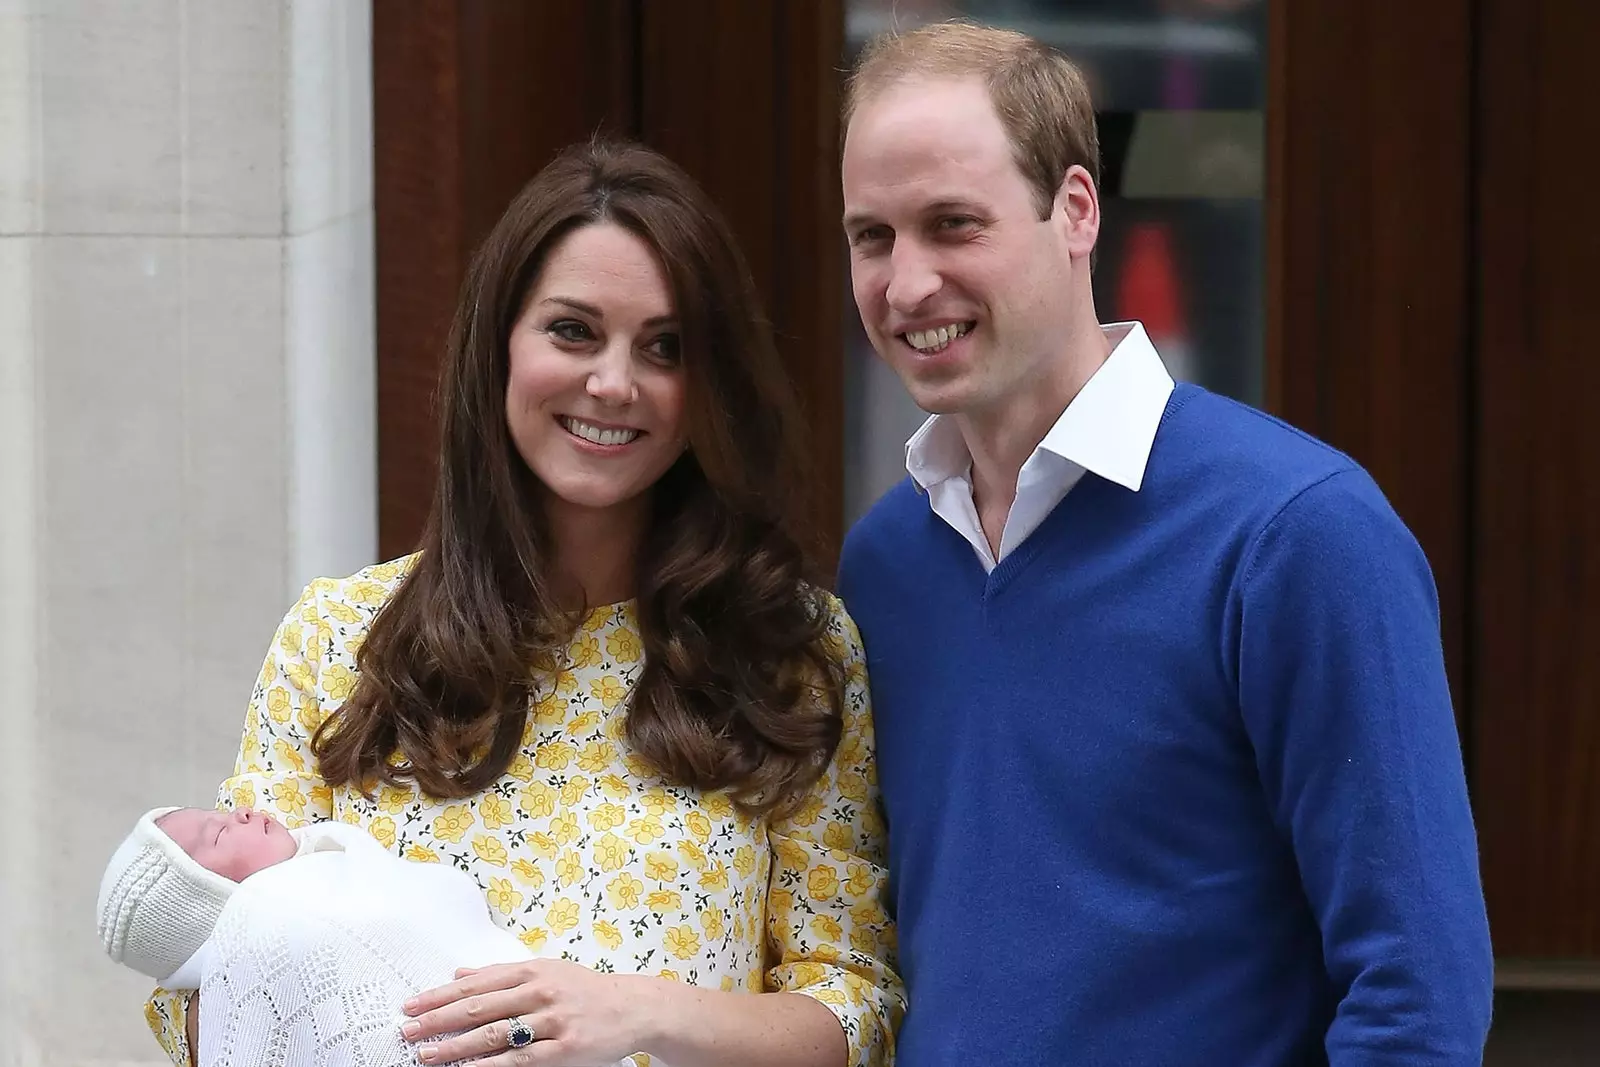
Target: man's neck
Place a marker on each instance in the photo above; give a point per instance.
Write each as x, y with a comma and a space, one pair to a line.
1000, 439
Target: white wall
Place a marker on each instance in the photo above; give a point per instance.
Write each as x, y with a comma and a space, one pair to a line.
187, 431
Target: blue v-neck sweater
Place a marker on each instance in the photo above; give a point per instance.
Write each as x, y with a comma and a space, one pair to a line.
1179, 782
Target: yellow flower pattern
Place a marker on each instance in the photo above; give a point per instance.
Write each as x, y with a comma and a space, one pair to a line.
581, 848
382, 828
453, 823
683, 942
623, 891
611, 852
489, 850
495, 811
563, 915
503, 897
664, 901
608, 934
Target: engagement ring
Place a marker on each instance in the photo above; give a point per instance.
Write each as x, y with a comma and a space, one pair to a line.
518, 1033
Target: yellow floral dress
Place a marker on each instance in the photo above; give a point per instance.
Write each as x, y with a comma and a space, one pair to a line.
581, 848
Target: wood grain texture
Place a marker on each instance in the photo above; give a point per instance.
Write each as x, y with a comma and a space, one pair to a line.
537, 77
809, 282
1536, 669
420, 245
1367, 238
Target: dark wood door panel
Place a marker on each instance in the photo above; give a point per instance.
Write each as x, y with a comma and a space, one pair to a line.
1368, 171
1536, 573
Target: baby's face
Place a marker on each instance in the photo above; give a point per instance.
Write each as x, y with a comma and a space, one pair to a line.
234, 844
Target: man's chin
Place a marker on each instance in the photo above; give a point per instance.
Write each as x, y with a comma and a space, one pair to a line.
945, 397
938, 392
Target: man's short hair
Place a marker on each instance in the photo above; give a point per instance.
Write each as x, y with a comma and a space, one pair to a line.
1041, 96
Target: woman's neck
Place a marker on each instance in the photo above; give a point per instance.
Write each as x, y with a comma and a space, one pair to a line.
596, 550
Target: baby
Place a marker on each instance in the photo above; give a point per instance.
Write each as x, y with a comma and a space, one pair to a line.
303, 943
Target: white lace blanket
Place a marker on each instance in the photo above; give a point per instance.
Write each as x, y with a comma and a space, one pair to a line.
312, 958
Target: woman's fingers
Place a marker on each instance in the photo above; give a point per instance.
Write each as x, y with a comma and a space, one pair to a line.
469, 1013
489, 1039
504, 976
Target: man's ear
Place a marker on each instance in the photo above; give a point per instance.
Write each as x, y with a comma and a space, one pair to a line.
1077, 211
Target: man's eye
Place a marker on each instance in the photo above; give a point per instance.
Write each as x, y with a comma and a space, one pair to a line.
870, 235
957, 222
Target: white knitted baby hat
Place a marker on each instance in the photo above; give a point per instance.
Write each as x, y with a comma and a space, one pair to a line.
157, 905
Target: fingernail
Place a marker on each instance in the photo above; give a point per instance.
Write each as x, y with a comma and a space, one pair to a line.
410, 1006
429, 1053
411, 1029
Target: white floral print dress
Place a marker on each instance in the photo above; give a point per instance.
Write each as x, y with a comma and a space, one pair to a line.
581, 848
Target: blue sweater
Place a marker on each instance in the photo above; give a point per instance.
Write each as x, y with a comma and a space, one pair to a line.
1179, 782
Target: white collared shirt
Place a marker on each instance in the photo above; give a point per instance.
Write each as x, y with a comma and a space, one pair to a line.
1109, 428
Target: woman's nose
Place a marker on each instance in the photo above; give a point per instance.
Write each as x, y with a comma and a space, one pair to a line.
611, 381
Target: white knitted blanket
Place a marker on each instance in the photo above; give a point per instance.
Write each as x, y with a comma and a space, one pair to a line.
312, 958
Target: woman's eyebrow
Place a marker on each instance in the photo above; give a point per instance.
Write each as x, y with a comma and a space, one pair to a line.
596, 313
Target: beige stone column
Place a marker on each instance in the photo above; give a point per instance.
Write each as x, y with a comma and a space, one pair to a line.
187, 432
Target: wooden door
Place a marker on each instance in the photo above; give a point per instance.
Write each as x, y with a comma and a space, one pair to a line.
1368, 124
1536, 494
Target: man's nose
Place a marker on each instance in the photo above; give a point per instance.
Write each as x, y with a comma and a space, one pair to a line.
912, 278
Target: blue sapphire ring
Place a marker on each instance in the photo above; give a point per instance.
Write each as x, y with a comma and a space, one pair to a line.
518, 1033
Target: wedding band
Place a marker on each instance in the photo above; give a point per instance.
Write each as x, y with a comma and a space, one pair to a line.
518, 1033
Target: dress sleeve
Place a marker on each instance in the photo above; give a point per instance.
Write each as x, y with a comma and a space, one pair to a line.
275, 770
829, 935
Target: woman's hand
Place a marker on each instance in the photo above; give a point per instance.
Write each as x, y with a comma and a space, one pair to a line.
579, 1017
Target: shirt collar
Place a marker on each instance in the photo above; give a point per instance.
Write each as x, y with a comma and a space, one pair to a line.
1109, 428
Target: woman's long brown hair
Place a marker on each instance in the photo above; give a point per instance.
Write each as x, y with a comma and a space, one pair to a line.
733, 623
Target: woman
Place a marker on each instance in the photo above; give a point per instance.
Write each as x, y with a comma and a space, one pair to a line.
605, 686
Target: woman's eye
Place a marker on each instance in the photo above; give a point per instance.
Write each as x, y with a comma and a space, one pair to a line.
569, 330
664, 348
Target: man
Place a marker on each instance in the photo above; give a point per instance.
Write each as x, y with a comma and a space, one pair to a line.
1164, 736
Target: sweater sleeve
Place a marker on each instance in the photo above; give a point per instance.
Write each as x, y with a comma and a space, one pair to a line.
828, 932
1343, 692
275, 770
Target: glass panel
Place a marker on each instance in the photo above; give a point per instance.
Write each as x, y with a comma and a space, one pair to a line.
1179, 86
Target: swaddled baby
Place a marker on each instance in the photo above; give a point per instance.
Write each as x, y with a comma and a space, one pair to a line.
303, 943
